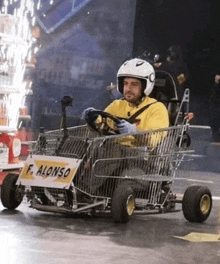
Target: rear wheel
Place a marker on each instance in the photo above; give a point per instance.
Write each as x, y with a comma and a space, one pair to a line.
11, 194
123, 203
197, 203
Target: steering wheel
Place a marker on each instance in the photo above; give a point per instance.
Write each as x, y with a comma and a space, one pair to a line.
102, 127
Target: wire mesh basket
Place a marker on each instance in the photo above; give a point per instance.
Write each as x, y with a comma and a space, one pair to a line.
144, 160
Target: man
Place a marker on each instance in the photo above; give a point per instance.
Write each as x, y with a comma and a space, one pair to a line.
135, 80
137, 112
175, 65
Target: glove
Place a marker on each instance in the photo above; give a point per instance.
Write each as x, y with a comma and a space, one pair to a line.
125, 127
87, 117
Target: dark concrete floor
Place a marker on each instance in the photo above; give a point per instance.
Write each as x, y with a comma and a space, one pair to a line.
28, 236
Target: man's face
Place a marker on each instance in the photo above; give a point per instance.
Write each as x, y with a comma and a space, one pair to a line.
132, 90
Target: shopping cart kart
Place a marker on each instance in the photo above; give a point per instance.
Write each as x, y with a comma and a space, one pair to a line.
79, 170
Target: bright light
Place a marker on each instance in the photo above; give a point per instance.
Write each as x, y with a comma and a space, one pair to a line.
33, 21
38, 5
15, 48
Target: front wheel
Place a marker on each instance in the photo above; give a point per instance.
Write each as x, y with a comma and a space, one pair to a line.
123, 203
11, 194
197, 203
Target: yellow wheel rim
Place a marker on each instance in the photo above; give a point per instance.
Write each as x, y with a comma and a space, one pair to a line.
205, 204
130, 204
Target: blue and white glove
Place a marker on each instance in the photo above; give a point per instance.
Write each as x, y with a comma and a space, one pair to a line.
87, 117
125, 127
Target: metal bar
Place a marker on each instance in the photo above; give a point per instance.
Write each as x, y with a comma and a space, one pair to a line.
64, 210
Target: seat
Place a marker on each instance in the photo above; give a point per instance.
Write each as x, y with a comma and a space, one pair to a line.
165, 91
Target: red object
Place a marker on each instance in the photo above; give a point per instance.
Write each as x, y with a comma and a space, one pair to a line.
8, 141
25, 135
25, 150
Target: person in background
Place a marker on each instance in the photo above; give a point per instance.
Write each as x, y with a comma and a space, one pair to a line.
112, 88
175, 65
214, 104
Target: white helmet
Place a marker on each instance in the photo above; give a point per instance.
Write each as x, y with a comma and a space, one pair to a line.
140, 69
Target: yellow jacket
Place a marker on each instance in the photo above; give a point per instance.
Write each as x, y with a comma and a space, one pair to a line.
156, 116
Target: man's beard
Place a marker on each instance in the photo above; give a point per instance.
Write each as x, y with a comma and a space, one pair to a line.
134, 100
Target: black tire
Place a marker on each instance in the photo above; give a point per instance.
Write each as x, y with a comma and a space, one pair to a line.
11, 194
197, 203
123, 203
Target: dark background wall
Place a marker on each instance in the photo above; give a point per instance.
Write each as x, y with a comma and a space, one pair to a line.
195, 27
